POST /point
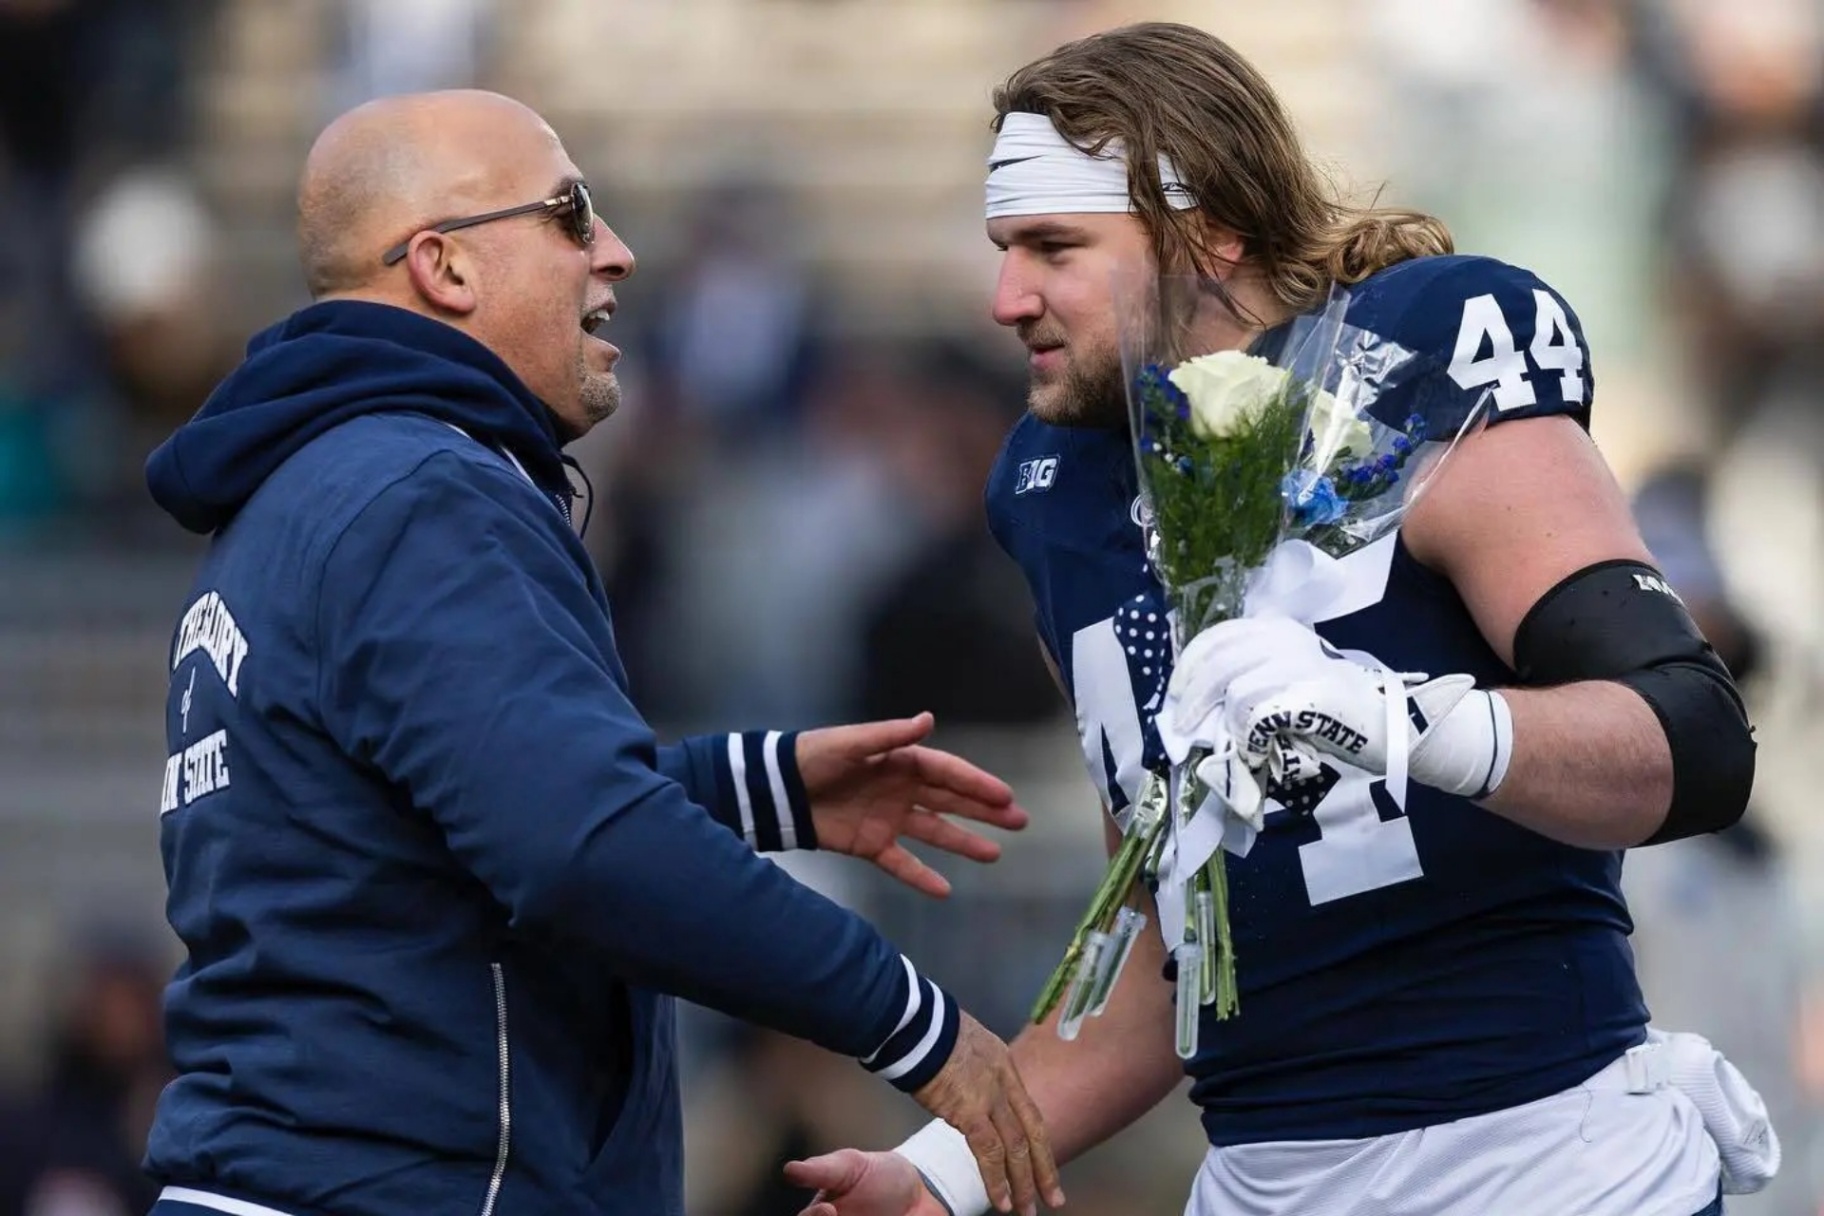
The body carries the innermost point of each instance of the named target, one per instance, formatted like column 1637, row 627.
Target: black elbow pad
column 1620, row 621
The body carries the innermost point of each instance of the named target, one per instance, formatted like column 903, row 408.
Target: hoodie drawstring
column 570, row 462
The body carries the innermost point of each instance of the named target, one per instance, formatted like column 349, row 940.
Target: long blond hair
column 1167, row 89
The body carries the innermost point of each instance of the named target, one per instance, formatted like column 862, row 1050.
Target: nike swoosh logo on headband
column 1002, row 164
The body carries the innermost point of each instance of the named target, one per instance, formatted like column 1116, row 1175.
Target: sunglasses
column 573, row 205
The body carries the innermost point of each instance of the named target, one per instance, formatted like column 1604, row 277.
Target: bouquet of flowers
column 1259, row 472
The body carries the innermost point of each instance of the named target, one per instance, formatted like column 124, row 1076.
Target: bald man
column 436, row 879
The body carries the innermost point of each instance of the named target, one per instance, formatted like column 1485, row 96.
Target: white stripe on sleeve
column 737, row 767
column 782, row 803
column 914, row 997
column 917, row 1055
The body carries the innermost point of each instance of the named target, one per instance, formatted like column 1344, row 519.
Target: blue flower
column 1314, row 499
column 1384, row 464
column 1401, row 444
column 1158, row 380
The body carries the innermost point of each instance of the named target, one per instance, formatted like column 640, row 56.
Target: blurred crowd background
column 788, row 508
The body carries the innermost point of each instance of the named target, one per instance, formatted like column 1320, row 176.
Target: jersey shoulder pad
column 1477, row 328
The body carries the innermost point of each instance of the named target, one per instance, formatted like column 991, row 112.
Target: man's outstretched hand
column 871, row 785
column 979, row 1093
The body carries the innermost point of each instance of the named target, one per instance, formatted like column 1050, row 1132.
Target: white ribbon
column 1300, row 581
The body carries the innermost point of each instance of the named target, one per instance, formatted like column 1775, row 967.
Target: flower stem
column 1111, row 895
column 1228, row 994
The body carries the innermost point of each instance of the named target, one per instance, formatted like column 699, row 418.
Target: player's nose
column 1015, row 296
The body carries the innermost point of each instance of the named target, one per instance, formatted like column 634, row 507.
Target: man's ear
column 1219, row 250
column 442, row 272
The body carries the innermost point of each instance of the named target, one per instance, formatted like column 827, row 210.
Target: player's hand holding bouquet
column 1262, row 473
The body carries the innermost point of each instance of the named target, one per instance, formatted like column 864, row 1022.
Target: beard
column 598, row 396
column 601, row 396
column 1090, row 391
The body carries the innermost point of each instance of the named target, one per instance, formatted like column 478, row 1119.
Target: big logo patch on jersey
column 1037, row 474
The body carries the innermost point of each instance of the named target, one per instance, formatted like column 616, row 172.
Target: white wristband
column 1466, row 752
column 942, row 1156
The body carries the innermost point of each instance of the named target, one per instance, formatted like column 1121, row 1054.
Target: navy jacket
column 432, row 869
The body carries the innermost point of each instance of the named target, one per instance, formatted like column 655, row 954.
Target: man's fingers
column 1213, row 661
column 1266, row 726
column 940, row 833
column 838, row 1171
column 947, row 771
column 866, row 739
column 1011, row 816
column 901, row 864
column 991, row 1161
column 1262, row 726
column 1019, row 1157
column 1300, row 763
column 1044, row 1164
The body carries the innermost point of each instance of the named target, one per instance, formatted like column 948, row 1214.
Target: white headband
column 1035, row 171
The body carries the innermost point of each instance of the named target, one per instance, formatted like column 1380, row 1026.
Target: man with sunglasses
column 434, row 874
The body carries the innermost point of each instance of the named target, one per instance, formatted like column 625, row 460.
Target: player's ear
column 1218, row 250
column 1212, row 250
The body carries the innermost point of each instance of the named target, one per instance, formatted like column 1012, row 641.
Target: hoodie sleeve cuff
column 921, row 1043
column 760, row 793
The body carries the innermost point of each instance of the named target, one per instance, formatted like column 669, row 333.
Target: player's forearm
column 1121, row 1064
column 1591, row 766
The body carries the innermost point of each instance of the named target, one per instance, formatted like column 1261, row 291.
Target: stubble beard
column 1090, row 392
column 601, row 396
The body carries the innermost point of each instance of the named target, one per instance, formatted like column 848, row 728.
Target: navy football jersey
column 1397, row 970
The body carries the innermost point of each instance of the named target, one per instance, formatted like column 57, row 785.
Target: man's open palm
column 871, row 786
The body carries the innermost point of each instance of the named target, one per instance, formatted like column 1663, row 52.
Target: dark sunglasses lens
column 582, row 213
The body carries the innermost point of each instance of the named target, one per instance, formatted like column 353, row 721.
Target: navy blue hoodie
column 432, row 869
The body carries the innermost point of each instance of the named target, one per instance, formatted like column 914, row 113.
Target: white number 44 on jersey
column 1554, row 348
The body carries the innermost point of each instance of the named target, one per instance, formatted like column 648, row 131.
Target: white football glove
column 1284, row 696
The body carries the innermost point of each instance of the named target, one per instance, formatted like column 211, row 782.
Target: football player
column 1439, row 1010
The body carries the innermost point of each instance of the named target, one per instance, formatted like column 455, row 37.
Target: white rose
column 1227, row 390
column 1334, row 428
